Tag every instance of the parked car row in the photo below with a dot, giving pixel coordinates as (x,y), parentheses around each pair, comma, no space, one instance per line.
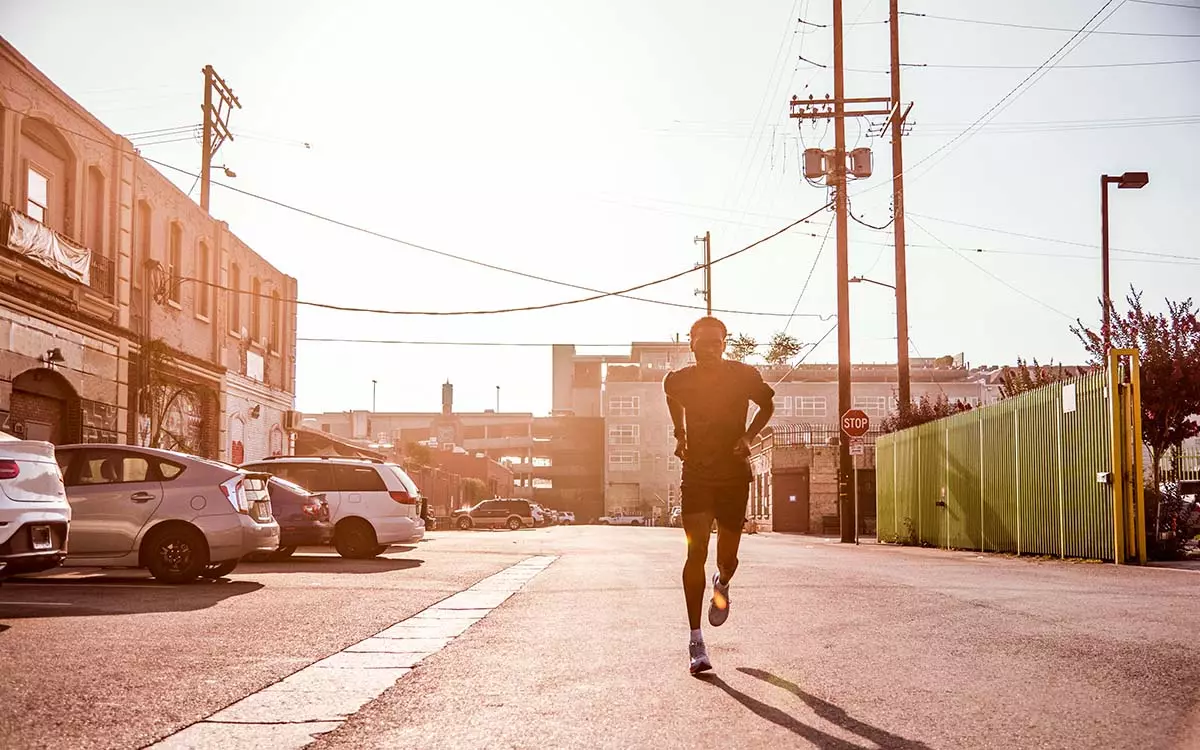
(507,513)
(183,517)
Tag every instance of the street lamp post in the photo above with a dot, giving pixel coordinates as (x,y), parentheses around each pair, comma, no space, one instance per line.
(373,383)
(903,381)
(1127,181)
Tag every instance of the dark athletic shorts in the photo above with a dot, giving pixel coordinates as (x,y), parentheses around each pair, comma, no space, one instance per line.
(726,502)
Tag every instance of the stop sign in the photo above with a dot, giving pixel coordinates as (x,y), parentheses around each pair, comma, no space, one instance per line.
(855,423)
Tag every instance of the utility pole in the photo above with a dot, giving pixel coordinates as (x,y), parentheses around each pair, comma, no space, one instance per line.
(834,170)
(706,292)
(216,126)
(897,125)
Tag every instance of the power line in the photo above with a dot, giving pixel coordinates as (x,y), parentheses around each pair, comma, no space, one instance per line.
(599,293)
(1042,28)
(1016,289)
(463,343)
(811,349)
(1169,5)
(1138,64)
(1016,91)
(551,305)
(811,270)
(1053,239)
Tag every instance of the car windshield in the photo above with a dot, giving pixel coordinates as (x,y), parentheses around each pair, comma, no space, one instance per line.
(409,485)
(289,485)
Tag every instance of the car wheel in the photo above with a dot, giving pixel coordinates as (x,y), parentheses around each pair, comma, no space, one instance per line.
(636,523)
(355,540)
(514,523)
(464,523)
(178,554)
(381,549)
(219,570)
(282,553)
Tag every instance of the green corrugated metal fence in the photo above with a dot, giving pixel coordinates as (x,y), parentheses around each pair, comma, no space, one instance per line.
(1017,476)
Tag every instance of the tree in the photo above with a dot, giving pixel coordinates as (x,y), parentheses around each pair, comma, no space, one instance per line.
(1168,347)
(743,346)
(167,402)
(782,348)
(1017,380)
(473,490)
(922,411)
(417,456)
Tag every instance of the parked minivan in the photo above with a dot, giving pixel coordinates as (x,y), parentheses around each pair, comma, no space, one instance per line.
(178,515)
(372,504)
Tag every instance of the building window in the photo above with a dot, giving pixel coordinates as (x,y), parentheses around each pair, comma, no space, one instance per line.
(37,195)
(145,228)
(276,321)
(783,406)
(672,495)
(874,406)
(624,434)
(673,463)
(624,406)
(235,298)
(624,460)
(203,278)
(175,262)
(809,406)
(255,309)
(95,210)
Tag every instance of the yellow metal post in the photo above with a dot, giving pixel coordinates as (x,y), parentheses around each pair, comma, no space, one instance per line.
(1139,487)
(1118,454)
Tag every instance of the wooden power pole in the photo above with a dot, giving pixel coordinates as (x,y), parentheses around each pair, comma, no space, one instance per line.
(706,292)
(216,126)
(835,173)
(897,124)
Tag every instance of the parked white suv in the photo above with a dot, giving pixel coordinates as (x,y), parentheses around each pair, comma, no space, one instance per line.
(372,504)
(34,513)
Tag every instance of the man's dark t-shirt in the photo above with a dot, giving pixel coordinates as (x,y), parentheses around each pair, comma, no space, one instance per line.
(716,401)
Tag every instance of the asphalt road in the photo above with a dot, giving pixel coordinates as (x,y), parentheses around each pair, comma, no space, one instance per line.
(828,646)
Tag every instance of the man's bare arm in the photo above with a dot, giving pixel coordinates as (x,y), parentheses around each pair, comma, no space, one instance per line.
(761,418)
(676,410)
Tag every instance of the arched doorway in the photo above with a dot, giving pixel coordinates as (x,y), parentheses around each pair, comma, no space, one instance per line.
(44,406)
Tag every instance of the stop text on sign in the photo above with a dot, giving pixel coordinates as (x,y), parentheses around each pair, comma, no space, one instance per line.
(856,423)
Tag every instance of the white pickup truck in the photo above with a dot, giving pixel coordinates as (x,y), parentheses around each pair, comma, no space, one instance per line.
(620,519)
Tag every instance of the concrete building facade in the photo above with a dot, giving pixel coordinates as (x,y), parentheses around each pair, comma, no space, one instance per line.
(121,300)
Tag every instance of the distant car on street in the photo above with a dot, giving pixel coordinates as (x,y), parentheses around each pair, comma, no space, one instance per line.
(178,515)
(620,519)
(372,504)
(567,517)
(34,513)
(495,514)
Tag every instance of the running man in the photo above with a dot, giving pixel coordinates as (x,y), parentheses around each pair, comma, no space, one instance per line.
(709,402)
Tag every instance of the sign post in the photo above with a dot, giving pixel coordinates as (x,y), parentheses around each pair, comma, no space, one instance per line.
(856,424)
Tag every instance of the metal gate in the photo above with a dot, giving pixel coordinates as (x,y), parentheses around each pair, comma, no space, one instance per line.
(1054,471)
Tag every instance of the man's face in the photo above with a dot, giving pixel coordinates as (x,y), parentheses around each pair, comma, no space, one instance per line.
(708,344)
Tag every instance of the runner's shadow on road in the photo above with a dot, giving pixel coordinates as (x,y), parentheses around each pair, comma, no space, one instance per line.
(824,709)
(98,596)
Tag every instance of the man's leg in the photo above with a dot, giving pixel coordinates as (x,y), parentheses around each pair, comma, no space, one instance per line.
(730,514)
(697,526)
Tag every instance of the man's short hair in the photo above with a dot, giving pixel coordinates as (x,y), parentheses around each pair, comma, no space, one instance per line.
(706,322)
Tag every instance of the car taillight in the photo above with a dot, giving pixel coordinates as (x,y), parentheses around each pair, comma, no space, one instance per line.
(9,470)
(403,498)
(312,511)
(235,493)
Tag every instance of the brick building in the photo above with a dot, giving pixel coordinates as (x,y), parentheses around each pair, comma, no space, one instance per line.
(127,313)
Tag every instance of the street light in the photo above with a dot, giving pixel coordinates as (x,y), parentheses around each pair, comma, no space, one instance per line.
(903,376)
(863,279)
(228,172)
(1127,181)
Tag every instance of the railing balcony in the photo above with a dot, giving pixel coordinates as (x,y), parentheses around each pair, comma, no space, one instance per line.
(103,276)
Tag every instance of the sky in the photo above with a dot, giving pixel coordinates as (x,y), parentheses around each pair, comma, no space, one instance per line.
(591,143)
